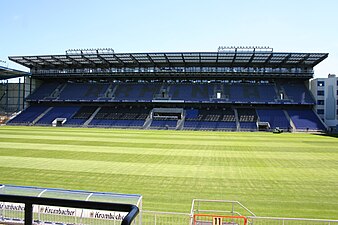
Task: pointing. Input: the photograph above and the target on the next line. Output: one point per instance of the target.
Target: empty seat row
(209, 119)
(188, 92)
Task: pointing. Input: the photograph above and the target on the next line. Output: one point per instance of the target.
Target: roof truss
(212, 59)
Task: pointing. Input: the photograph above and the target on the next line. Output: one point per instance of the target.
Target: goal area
(219, 212)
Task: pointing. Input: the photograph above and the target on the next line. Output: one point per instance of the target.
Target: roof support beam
(320, 59)
(45, 61)
(57, 59)
(88, 60)
(251, 58)
(119, 60)
(166, 58)
(134, 59)
(185, 65)
(73, 60)
(234, 58)
(285, 59)
(151, 60)
(31, 61)
(199, 59)
(304, 59)
(103, 59)
(268, 59)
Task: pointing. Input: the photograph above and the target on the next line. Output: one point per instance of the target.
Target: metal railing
(172, 218)
(165, 218)
(288, 221)
(29, 201)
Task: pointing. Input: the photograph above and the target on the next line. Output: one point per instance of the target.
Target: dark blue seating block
(191, 124)
(226, 125)
(58, 112)
(305, 119)
(248, 125)
(207, 125)
(191, 92)
(191, 113)
(298, 93)
(275, 117)
(136, 91)
(44, 91)
(103, 122)
(255, 93)
(73, 121)
(117, 123)
(83, 91)
(28, 115)
(164, 123)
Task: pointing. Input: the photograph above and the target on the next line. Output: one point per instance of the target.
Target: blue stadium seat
(305, 119)
(28, 115)
(275, 117)
(58, 112)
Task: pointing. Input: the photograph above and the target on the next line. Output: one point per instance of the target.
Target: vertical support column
(23, 93)
(28, 213)
(7, 90)
(19, 95)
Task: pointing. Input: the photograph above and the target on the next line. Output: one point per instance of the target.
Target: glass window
(320, 83)
(320, 102)
(320, 93)
(320, 111)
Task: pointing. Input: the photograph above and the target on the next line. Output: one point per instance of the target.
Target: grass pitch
(288, 175)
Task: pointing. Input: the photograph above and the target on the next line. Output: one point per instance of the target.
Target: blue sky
(43, 27)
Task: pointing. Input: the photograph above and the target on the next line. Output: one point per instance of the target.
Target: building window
(320, 93)
(320, 102)
(320, 111)
(320, 83)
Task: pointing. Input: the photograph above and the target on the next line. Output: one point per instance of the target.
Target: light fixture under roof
(244, 49)
(89, 51)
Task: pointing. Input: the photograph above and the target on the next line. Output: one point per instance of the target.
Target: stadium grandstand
(11, 93)
(232, 89)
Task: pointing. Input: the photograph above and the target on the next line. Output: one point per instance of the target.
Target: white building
(325, 91)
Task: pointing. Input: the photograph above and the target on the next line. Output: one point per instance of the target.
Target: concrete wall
(325, 91)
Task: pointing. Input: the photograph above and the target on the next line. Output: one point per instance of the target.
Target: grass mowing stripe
(236, 160)
(170, 170)
(150, 136)
(252, 152)
(155, 144)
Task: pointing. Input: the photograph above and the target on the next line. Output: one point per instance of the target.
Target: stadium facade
(235, 89)
(325, 92)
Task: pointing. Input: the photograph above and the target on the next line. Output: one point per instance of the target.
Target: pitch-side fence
(29, 201)
(171, 218)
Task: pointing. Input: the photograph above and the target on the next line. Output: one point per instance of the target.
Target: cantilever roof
(7, 73)
(212, 59)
